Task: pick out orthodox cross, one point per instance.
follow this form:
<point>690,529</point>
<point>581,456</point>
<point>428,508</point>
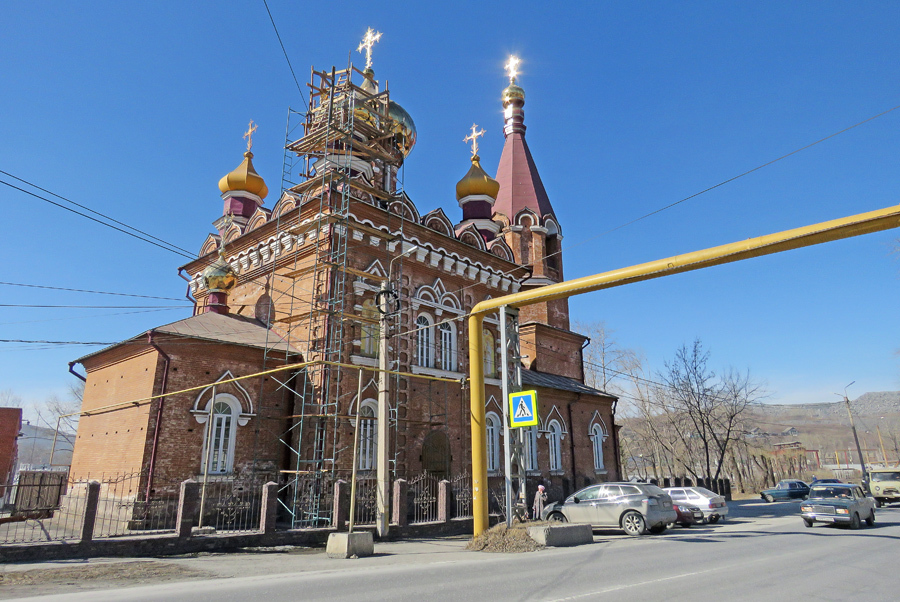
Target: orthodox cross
<point>512,68</point>
<point>368,41</point>
<point>249,134</point>
<point>473,138</point>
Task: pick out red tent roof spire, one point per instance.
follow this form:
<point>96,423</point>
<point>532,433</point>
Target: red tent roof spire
<point>520,183</point>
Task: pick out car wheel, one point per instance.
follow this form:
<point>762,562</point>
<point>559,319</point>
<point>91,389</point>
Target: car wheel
<point>807,522</point>
<point>854,521</point>
<point>713,519</point>
<point>557,517</point>
<point>768,498</point>
<point>633,523</point>
<point>870,522</point>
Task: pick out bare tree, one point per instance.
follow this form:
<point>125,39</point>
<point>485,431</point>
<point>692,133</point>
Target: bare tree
<point>604,359</point>
<point>9,399</point>
<point>62,413</point>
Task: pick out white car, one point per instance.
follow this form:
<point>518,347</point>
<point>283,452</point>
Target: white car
<point>711,504</point>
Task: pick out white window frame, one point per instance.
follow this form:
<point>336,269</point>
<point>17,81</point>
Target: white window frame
<point>368,438</point>
<point>425,341</point>
<point>490,353</point>
<point>448,346</point>
<point>554,440</point>
<point>493,425</point>
<point>531,449</point>
<point>598,436</point>
<point>371,332</point>
<point>223,430</point>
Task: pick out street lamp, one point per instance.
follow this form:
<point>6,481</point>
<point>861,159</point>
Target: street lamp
<point>381,446</point>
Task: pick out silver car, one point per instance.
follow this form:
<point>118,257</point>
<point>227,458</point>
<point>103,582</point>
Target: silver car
<point>633,507</point>
<point>838,503</point>
<point>712,504</point>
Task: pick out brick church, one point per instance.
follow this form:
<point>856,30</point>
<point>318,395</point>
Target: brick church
<point>274,374</point>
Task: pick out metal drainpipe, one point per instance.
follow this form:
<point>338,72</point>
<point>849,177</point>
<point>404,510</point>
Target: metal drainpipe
<point>572,440</point>
<point>72,371</point>
<point>162,400</point>
<point>187,293</point>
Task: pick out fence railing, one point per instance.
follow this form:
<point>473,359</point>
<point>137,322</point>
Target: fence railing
<point>124,506</point>
<point>461,488</point>
<point>44,506</point>
<point>423,496</point>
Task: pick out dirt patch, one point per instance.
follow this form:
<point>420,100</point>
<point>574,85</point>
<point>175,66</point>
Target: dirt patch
<point>94,576</point>
<point>499,538</point>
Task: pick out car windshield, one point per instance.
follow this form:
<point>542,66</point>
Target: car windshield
<point>885,476</point>
<point>652,490</point>
<point>705,492</point>
<point>830,492</point>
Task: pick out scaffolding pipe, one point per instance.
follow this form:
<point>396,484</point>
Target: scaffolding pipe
<point>846,227</point>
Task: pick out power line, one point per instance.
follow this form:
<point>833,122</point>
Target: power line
<point>171,248</point>
<point>78,290</point>
<point>272,19</point>
<point>92,306</point>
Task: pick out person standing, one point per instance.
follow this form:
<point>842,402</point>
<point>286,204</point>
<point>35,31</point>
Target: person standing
<point>538,507</point>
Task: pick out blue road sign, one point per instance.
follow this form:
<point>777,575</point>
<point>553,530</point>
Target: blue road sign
<point>523,409</point>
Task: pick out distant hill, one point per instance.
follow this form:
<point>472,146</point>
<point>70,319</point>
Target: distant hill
<point>35,444</point>
<point>826,426</point>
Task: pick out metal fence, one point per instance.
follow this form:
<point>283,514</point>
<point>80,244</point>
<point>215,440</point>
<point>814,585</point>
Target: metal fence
<point>366,500</point>
<point>44,506</point>
<point>310,499</point>
<point>233,504</point>
<point>461,488</point>
<point>126,507</point>
<point>423,496</point>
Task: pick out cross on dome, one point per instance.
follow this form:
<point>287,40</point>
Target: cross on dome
<point>512,68</point>
<point>473,138</point>
<point>249,134</point>
<point>368,41</point>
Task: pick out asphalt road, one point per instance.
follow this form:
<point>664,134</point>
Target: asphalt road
<point>762,551</point>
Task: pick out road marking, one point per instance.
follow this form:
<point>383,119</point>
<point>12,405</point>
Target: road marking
<point>618,588</point>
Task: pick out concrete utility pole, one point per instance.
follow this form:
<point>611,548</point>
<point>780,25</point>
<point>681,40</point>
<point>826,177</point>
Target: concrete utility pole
<point>862,461</point>
<point>382,469</point>
<point>382,463</point>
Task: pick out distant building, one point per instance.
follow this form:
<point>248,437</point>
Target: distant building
<point>10,426</point>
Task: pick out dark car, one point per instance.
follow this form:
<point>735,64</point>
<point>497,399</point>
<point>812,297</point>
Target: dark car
<point>838,503</point>
<point>790,489</point>
<point>823,481</point>
<point>687,515</point>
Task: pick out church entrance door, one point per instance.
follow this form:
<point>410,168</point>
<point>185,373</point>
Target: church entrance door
<point>436,454</point>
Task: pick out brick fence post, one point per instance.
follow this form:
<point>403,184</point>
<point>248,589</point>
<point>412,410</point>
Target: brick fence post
<point>268,507</point>
<point>444,498</point>
<point>727,490</point>
<point>401,492</point>
<point>92,501</point>
<point>188,507</point>
<point>341,513</point>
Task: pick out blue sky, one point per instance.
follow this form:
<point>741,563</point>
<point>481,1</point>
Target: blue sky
<point>137,109</point>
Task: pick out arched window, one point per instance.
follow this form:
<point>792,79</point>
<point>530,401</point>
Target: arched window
<point>370,330</point>
<point>220,456</point>
<point>531,452</point>
<point>492,424</point>
<point>368,427</point>
<point>448,347</point>
<point>597,438</point>
<point>554,437</point>
<point>424,342</point>
<point>490,355</point>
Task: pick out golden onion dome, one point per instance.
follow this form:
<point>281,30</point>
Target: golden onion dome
<point>403,127</point>
<point>476,181</point>
<point>244,178</point>
<point>219,277</point>
<point>513,92</point>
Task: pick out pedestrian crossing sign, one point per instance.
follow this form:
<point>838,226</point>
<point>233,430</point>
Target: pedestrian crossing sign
<point>523,409</point>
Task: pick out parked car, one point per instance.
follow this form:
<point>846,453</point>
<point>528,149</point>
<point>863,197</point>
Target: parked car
<point>822,481</point>
<point>790,489</point>
<point>711,504</point>
<point>838,503</point>
<point>884,484</point>
<point>687,515</point>
<point>633,507</point>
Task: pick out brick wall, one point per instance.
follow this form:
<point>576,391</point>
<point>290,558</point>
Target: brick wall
<point>115,440</point>
<point>10,425</point>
